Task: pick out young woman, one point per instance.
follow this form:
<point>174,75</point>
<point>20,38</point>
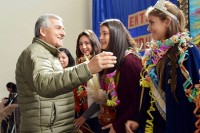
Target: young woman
<point>12,122</point>
<point>171,66</point>
<point>122,82</point>
<point>65,58</point>
<point>86,110</point>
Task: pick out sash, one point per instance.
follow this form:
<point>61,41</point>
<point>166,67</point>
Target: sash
<point>160,100</point>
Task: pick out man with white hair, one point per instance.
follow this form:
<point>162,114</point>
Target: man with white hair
<point>43,85</point>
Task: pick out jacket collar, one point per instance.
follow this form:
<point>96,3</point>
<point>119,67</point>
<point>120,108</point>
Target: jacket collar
<point>53,50</point>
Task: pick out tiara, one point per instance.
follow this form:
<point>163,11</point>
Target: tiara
<point>160,5</point>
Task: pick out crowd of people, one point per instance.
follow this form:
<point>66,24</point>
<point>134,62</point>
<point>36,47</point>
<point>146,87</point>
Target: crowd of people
<point>109,87</point>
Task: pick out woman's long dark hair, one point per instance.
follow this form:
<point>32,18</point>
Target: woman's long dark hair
<point>120,40</point>
<point>12,86</point>
<point>93,40</point>
<point>70,57</point>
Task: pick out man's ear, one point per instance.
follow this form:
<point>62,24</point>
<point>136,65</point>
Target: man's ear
<point>168,21</point>
<point>42,31</point>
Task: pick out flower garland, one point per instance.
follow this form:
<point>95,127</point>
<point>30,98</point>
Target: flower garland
<point>156,52</point>
<point>80,93</point>
<point>109,85</point>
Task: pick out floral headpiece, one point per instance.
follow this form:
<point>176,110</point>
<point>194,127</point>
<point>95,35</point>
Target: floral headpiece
<point>160,5</point>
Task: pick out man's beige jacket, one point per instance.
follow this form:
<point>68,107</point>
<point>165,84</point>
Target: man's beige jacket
<point>44,89</point>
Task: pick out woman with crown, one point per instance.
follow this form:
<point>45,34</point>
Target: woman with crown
<point>171,69</point>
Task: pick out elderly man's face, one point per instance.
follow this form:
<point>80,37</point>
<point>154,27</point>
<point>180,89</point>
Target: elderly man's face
<point>54,33</point>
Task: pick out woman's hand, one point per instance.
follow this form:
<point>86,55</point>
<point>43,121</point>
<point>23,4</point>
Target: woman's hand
<point>112,130</point>
<point>131,126</point>
<point>79,122</point>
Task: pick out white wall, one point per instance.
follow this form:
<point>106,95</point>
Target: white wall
<point>17,20</point>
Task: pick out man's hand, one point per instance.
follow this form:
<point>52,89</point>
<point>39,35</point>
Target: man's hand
<point>101,61</point>
<point>131,126</point>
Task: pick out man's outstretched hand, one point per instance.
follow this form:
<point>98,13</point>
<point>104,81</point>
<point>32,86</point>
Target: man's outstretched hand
<point>101,61</point>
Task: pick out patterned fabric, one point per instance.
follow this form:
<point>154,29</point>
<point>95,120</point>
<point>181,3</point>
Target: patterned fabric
<point>109,83</point>
<point>81,103</point>
<point>80,93</point>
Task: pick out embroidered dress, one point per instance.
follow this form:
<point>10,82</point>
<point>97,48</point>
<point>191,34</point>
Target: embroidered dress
<point>172,68</point>
<point>80,94</point>
<point>81,103</point>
